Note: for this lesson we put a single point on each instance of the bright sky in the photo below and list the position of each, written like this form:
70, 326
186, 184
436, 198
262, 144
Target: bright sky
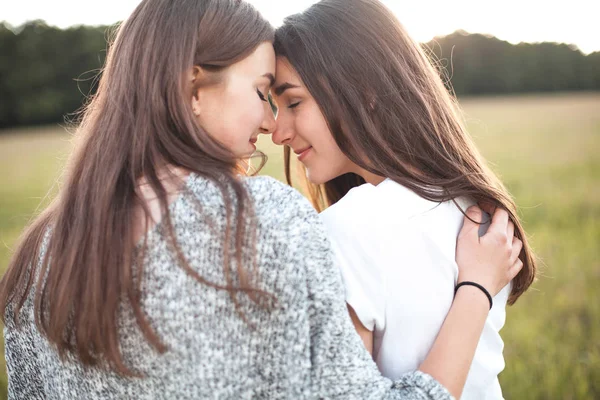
573, 21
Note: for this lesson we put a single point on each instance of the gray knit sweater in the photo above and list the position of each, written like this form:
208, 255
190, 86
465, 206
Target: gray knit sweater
305, 348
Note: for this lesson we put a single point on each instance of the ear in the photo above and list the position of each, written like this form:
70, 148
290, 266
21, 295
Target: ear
196, 77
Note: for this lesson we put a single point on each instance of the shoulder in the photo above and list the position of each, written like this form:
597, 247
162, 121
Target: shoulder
285, 218
281, 217
389, 205
391, 220
355, 209
279, 203
270, 196
290, 227
388, 199
369, 211
268, 190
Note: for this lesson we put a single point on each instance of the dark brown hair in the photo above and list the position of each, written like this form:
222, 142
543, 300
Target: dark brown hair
139, 121
388, 110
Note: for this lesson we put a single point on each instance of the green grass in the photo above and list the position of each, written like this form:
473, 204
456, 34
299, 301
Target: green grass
545, 148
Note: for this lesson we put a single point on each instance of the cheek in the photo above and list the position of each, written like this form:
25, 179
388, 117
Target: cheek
311, 128
255, 114
242, 117
321, 138
328, 161
248, 112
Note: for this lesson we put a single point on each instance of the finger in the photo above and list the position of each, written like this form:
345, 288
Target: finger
499, 221
487, 206
510, 230
471, 224
517, 246
515, 269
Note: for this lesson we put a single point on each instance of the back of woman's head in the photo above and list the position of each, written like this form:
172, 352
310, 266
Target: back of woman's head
388, 109
138, 125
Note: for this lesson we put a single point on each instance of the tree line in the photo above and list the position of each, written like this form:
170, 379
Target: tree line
481, 64
46, 73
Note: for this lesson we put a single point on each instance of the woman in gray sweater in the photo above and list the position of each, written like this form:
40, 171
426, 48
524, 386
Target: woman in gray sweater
160, 273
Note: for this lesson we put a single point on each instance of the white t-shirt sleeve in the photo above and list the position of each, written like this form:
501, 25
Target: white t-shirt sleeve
362, 275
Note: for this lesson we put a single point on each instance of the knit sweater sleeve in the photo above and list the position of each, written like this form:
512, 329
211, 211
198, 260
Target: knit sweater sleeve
24, 378
341, 366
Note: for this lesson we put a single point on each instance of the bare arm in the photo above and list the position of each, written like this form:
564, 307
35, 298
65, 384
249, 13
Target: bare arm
491, 261
449, 360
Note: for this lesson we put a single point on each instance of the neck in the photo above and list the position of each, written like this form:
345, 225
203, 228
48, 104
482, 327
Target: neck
370, 177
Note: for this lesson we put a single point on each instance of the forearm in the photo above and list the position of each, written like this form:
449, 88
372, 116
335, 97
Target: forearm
452, 353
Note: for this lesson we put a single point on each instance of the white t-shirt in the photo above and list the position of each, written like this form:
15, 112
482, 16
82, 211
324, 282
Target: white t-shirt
396, 252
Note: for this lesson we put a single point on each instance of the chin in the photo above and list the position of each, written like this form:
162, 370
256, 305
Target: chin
317, 178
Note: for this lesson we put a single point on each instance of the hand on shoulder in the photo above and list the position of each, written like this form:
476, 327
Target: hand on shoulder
491, 260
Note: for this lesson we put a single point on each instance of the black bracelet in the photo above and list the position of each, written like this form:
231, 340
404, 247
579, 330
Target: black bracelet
477, 285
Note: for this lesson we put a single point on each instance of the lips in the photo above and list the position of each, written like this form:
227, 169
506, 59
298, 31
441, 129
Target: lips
303, 153
253, 140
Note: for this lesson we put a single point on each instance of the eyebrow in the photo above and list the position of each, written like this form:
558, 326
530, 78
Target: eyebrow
271, 78
283, 87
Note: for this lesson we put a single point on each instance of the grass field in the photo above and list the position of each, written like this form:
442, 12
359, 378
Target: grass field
546, 149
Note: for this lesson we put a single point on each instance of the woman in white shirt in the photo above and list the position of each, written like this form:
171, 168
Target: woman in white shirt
389, 160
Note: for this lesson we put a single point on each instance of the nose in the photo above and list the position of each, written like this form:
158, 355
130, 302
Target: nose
283, 133
268, 123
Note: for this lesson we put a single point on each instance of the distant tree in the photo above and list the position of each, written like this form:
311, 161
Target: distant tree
8, 45
46, 73
594, 65
482, 64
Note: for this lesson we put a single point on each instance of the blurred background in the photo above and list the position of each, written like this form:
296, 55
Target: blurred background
527, 75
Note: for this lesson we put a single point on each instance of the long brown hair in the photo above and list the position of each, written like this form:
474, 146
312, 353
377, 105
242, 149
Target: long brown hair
388, 110
139, 121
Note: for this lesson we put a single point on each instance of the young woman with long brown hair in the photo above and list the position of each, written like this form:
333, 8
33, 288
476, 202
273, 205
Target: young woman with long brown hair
161, 272
389, 161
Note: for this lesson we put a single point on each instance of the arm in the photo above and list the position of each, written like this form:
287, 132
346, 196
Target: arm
394, 275
492, 261
423, 281
452, 353
488, 362
341, 366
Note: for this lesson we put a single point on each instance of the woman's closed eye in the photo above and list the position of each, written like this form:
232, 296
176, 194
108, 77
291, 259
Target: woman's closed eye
294, 105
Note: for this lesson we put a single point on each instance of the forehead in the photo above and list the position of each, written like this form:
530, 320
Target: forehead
261, 61
286, 73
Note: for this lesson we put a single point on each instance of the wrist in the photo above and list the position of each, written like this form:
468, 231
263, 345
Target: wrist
475, 292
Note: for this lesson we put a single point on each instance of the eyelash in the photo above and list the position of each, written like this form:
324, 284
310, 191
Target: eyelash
294, 105
261, 96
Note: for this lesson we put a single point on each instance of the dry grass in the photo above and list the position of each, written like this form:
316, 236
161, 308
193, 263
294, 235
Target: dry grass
546, 150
